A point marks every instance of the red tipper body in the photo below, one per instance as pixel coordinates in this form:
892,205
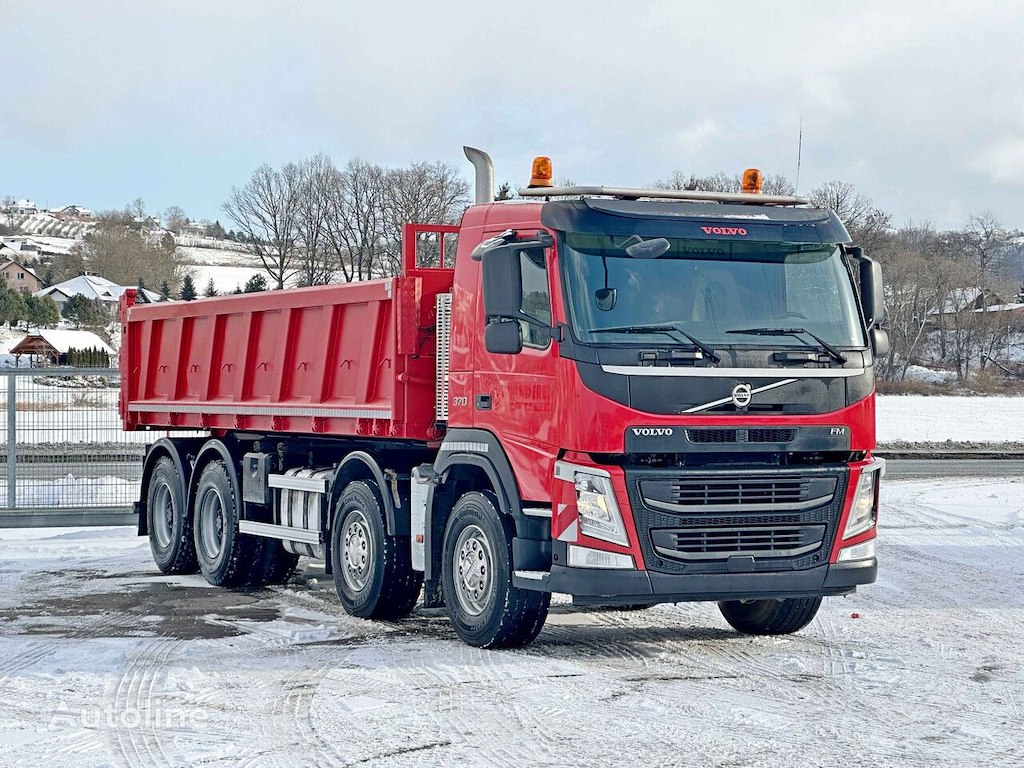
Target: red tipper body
348,360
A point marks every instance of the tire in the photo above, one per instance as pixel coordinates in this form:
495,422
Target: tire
168,520
274,564
486,609
226,557
373,572
770,617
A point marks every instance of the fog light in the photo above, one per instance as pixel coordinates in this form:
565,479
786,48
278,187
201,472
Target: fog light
585,557
863,551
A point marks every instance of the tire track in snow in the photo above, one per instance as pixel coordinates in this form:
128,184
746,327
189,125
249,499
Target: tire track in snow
136,737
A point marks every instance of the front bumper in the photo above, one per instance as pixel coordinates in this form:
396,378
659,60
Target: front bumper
598,586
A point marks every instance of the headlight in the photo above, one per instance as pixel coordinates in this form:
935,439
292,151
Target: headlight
863,512
599,513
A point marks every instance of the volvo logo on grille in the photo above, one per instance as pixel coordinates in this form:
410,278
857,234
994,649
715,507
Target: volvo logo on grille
652,431
741,395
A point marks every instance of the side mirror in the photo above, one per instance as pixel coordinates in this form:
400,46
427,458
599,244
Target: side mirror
503,338
502,283
872,294
879,342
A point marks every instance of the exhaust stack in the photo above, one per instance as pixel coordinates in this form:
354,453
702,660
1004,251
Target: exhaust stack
484,174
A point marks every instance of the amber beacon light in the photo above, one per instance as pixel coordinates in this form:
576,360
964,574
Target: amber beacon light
541,173
752,181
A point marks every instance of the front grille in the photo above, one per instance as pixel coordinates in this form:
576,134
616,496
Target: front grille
694,521
736,494
713,435
724,542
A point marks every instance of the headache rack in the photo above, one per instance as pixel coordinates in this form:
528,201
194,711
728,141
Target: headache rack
628,193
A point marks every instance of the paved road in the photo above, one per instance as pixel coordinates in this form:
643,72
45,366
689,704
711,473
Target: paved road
919,469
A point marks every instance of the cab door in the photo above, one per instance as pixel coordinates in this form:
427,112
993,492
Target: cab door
516,395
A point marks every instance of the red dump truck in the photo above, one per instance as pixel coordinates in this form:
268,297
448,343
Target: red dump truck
628,396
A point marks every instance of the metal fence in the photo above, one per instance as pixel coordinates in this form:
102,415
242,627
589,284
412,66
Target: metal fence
66,459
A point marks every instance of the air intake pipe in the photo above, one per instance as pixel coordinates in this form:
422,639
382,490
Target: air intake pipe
484,174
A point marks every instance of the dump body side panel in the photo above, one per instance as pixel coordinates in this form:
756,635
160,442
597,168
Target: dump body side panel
353,360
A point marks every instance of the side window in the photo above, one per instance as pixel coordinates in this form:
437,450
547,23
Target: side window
536,297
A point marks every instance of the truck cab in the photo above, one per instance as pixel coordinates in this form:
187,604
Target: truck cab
674,398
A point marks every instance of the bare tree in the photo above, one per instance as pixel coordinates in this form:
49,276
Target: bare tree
866,224
429,193
175,219
117,250
315,263
986,242
354,228
137,208
266,211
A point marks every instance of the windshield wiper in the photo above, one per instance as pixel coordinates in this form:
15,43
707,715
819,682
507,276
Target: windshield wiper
831,351
668,329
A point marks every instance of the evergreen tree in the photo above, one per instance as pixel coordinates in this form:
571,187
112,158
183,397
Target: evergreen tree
42,311
13,308
256,283
188,289
83,312
165,291
504,192
211,289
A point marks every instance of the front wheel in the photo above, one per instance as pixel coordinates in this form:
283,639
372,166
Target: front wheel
770,617
485,608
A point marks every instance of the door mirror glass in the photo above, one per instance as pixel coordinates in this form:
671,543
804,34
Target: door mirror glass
879,342
503,338
502,283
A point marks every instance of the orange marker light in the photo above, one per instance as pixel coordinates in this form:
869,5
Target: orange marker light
541,174
752,181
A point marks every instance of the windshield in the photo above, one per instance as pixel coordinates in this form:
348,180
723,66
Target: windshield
710,289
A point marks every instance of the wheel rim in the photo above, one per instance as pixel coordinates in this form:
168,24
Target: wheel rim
211,527
357,555
473,570
163,515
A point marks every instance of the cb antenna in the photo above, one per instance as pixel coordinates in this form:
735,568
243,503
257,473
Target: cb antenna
799,154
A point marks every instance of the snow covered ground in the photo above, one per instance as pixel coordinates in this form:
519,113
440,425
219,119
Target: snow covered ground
104,662
933,418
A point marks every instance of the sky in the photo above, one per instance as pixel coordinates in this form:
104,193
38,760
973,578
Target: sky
919,104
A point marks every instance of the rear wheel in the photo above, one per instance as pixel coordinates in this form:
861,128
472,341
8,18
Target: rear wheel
274,564
770,617
225,556
167,520
485,608
373,572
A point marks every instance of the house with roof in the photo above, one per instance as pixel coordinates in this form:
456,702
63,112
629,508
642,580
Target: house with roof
92,287
52,347
16,274
22,207
72,212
